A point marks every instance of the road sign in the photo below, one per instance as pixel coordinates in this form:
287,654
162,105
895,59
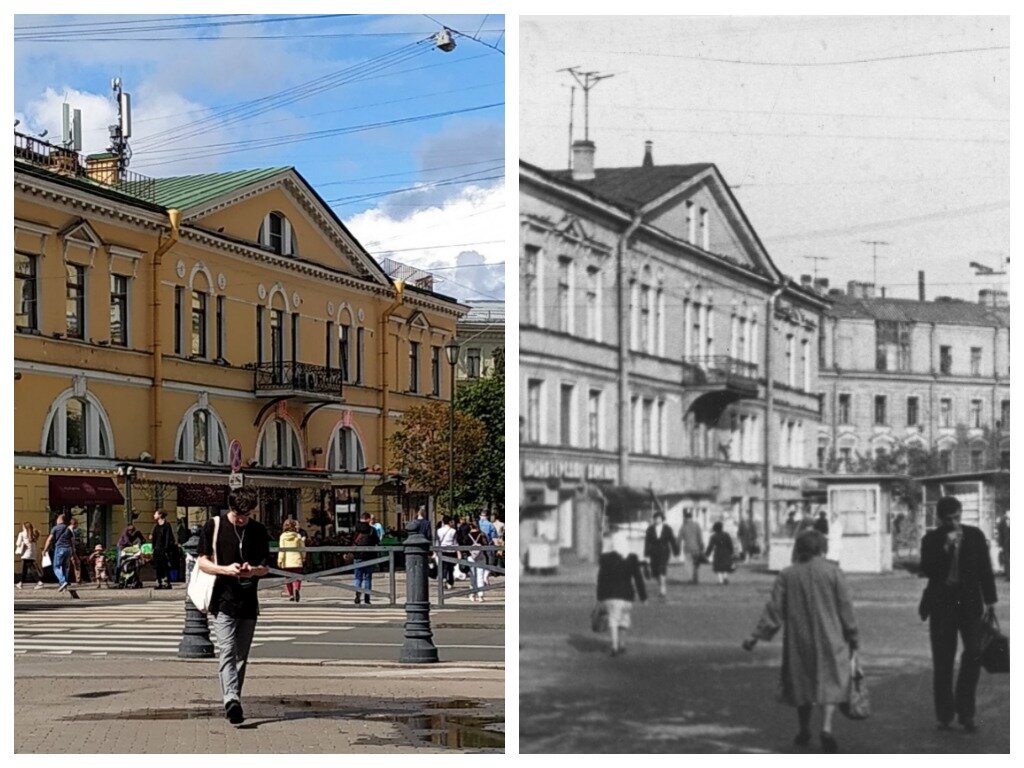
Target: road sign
235,480
235,456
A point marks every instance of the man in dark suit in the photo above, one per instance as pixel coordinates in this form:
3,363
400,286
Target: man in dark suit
659,546
961,592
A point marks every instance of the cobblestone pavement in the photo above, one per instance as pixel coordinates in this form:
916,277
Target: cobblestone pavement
163,707
685,685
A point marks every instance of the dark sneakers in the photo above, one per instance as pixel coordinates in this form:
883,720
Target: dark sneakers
233,712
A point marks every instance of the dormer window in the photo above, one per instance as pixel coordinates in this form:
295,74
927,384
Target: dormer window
276,234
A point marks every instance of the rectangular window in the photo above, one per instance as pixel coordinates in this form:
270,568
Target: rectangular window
912,415
881,417
564,295
645,426
359,356
329,351
529,292
533,398
645,318
845,457
435,371
946,412
892,345
414,366
565,414
975,415
198,347
946,460
26,292
343,352
593,311
178,298
705,230
691,224
473,369
295,337
660,426
977,460
119,310
975,361
277,344
844,408
791,359
75,306
1004,416
220,327
259,335
821,457
805,358
594,419
945,360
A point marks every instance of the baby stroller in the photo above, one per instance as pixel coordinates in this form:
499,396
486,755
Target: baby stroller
128,573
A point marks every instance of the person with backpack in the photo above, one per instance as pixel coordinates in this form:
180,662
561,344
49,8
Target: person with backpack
62,538
366,536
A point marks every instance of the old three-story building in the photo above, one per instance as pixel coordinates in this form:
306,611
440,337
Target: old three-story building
158,321
661,350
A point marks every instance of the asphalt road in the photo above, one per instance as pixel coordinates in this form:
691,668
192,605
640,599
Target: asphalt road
685,685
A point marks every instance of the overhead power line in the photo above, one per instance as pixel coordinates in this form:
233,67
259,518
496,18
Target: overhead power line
128,25
844,62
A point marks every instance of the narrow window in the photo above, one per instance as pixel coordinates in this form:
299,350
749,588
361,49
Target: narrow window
533,398
593,311
220,327
26,292
705,230
975,416
435,371
295,337
75,305
881,417
473,369
119,310
594,419
343,351
178,298
946,412
259,335
277,344
329,352
945,360
912,415
975,361
414,366
565,415
198,324
844,408
530,289
359,356
1004,416
564,295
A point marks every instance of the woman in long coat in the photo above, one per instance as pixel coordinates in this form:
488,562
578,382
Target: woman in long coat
720,550
811,601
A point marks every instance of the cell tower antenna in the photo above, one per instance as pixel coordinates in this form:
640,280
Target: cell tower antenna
586,81
874,258
122,130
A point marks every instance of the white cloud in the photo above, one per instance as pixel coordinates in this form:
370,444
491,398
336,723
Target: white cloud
443,236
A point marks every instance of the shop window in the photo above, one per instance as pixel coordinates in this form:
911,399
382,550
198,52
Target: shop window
77,426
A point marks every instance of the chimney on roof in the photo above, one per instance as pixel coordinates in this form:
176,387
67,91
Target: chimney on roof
835,292
920,285
582,160
990,297
102,168
859,290
806,281
648,154
821,285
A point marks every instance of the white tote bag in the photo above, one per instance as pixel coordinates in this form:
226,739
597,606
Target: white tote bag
200,583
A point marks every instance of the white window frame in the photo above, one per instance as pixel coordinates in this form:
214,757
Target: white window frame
353,446
292,448
216,437
96,420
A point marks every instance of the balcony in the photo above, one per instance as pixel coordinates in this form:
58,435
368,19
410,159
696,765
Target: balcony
302,380
713,382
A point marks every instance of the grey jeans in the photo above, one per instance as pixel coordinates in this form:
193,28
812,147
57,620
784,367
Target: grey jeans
234,637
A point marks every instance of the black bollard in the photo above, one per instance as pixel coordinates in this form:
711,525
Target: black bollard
195,638
419,645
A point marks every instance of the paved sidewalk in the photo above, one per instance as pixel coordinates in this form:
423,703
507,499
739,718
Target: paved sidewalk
162,707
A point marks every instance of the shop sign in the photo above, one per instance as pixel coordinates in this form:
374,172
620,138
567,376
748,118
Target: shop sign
568,470
235,480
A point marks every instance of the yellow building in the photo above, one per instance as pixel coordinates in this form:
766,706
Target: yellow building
158,321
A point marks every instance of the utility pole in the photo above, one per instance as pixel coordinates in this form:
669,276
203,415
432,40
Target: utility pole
816,259
586,81
874,258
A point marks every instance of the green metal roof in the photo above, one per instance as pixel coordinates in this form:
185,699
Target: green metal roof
184,192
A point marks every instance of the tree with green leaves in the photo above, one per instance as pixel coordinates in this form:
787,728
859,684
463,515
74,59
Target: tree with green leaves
421,448
484,399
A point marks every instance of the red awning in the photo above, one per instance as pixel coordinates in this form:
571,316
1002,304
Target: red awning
79,490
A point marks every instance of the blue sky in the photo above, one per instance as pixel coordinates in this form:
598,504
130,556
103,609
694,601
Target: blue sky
406,142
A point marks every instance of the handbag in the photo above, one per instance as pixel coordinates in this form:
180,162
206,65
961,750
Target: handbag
200,583
995,646
599,618
858,704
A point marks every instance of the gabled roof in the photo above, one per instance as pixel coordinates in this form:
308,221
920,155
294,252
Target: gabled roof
910,311
634,187
185,192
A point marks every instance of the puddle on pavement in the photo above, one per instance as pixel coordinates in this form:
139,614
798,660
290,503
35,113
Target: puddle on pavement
447,724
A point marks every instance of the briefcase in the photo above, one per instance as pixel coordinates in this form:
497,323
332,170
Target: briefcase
995,646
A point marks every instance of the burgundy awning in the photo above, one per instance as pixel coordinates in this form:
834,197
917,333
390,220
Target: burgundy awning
201,495
79,490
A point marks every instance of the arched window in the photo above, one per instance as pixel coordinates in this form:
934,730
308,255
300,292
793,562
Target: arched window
279,445
77,425
202,438
276,234
345,452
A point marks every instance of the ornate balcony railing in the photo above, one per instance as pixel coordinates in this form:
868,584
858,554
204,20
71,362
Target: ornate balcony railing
718,369
301,378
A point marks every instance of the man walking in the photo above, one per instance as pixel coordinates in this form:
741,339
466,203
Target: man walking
163,544
961,592
62,537
366,536
692,543
242,551
659,546
422,524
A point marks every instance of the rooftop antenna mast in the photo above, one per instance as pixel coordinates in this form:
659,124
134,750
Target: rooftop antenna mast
122,131
816,259
874,258
586,81
572,110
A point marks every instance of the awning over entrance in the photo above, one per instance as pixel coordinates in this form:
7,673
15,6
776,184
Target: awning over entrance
201,495
623,504
78,490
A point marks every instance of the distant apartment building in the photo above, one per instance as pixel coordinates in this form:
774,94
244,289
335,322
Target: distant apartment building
481,334
933,375
646,300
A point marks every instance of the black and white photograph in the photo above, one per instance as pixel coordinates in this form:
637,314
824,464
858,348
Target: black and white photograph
764,384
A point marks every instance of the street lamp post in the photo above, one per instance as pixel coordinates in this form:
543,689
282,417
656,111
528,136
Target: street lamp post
451,351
